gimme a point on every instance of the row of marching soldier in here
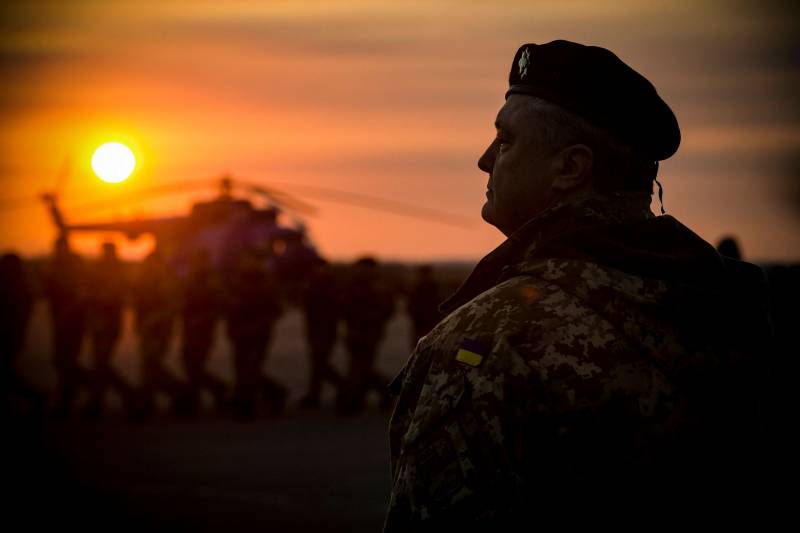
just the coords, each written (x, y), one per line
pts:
(87, 302)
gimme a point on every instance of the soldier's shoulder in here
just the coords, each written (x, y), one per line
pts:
(524, 301)
(487, 330)
(529, 322)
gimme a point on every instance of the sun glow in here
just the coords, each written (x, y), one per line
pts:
(113, 162)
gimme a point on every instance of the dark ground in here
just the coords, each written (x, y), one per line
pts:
(302, 471)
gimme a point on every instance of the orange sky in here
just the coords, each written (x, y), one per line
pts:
(394, 99)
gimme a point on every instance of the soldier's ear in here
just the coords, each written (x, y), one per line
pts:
(572, 168)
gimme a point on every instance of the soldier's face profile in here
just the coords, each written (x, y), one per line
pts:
(519, 168)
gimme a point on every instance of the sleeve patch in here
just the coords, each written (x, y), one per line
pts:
(471, 352)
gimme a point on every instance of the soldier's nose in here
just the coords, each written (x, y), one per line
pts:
(486, 161)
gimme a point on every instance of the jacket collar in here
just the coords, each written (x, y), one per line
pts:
(535, 238)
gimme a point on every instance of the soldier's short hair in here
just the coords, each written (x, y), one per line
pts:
(616, 166)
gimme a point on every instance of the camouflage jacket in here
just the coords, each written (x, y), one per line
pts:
(598, 346)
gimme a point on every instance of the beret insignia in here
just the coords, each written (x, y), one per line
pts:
(524, 59)
(595, 84)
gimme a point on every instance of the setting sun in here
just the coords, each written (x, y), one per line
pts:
(113, 162)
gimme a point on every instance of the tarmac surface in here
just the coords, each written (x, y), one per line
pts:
(301, 471)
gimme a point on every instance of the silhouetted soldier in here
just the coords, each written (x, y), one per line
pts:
(16, 303)
(729, 247)
(784, 294)
(423, 304)
(202, 301)
(367, 307)
(67, 290)
(602, 358)
(105, 320)
(322, 309)
(155, 307)
(294, 257)
(252, 310)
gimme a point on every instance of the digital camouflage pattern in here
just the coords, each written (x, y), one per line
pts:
(614, 350)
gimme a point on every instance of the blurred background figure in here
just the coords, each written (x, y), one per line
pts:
(367, 307)
(767, 369)
(423, 304)
(202, 301)
(729, 247)
(155, 304)
(105, 302)
(322, 309)
(16, 303)
(253, 308)
(292, 260)
(784, 295)
(68, 292)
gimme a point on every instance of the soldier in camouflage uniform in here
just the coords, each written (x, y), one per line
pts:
(202, 306)
(16, 305)
(153, 301)
(367, 307)
(254, 306)
(599, 362)
(422, 304)
(322, 309)
(68, 293)
(105, 302)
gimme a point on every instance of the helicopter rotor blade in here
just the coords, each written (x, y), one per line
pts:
(289, 203)
(29, 201)
(377, 203)
(124, 199)
(280, 198)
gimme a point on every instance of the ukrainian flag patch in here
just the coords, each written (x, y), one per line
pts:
(471, 352)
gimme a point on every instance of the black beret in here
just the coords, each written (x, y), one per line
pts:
(596, 85)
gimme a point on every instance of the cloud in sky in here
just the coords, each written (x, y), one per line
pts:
(388, 98)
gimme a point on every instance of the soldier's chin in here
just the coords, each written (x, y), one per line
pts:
(486, 213)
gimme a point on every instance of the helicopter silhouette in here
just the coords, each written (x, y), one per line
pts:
(227, 225)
